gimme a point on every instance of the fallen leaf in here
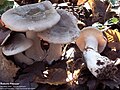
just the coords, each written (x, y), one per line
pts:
(26, 77)
(113, 38)
(24, 2)
(98, 13)
(7, 69)
(56, 76)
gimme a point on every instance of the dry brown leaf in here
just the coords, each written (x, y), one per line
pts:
(7, 69)
(113, 37)
(80, 2)
(23, 2)
(99, 9)
(56, 76)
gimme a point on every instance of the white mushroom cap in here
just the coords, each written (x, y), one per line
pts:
(18, 44)
(35, 17)
(64, 31)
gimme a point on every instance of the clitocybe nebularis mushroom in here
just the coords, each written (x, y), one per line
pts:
(61, 33)
(65, 31)
(35, 17)
(16, 44)
(92, 42)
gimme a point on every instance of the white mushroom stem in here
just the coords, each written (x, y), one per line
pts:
(54, 53)
(36, 52)
(95, 62)
(21, 58)
(91, 42)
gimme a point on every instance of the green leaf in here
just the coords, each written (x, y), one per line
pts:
(112, 21)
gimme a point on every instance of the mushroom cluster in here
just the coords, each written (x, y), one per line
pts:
(38, 30)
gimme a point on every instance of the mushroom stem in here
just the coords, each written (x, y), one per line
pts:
(91, 42)
(54, 53)
(98, 65)
(42, 50)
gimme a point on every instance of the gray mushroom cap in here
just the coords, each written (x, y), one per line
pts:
(19, 43)
(65, 31)
(36, 17)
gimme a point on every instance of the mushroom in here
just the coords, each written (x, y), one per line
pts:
(65, 31)
(92, 42)
(62, 33)
(16, 43)
(35, 17)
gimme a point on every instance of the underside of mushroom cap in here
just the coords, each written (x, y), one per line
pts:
(4, 34)
(36, 17)
(91, 31)
(19, 43)
(65, 31)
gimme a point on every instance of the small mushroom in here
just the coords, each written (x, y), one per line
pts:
(92, 42)
(16, 44)
(35, 17)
